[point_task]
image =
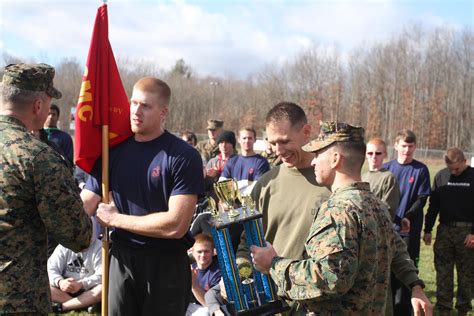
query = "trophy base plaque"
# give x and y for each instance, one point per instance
(252, 292)
(269, 308)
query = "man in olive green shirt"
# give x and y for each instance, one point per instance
(382, 182)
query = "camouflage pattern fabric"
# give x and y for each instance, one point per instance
(273, 159)
(350, 247)
(449, 251)
(214, 124)
(207, 150)
(332, 132)
(32, 77)
(38, 196)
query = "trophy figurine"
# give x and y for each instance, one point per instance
(247, 203)
(227, 191)
(249, 291)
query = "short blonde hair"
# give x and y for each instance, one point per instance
(156, 86)
(203, 238)
(249, 129)
(378, 141)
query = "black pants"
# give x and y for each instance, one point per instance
(148, 282)
(401, 294)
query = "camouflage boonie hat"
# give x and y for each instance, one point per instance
(332, 132)
(214, 124)
(33, 77)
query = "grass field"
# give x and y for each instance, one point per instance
(427, 273)
(426, 265)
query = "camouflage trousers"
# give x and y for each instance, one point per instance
(449, 251)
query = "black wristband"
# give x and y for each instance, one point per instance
(274, 260)
(417, 282)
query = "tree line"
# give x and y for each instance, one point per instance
(420, 78)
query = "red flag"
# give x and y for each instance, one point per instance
(102, 100)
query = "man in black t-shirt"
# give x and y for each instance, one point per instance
(452, 197)
(155, 178)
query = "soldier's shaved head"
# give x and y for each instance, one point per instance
(18, 100)
(354, 154)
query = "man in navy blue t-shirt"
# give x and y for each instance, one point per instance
(414, 180)
(61, 139)
(155, 178)
(205, 273)
(247, 167)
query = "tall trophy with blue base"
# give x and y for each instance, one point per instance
(249, 291)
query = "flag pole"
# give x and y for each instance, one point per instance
(97, 127)
(105, 238)
(105, 198)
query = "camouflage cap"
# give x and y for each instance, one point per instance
(214, 124)
(332, 132)
(33, 77)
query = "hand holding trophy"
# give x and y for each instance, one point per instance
(249, 291)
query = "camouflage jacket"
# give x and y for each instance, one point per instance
(38, 196)
(207, 150)
(349, 250)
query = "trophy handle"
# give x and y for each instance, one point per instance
(220, 196)
(212, 205)
(240, 198)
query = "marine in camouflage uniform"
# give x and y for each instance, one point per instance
(38, 195)
(210, 148)
(351, 242)
(350, 248)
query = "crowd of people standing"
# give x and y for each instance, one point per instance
(339, 241)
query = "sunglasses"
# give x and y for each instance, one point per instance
(377, 153)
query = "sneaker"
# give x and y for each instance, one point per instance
(94, 309)
(57, 308)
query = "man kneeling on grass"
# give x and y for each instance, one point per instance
(75, 278)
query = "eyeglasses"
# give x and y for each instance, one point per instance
(377, 153)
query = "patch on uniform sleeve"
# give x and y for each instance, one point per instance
(324, 239)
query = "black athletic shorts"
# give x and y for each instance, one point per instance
(148, 282)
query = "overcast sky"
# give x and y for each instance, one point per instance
(214, 37)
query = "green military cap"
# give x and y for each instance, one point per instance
(33, 77)
(332, 132)
(214, 124)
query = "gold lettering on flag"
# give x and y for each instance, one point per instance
(85, 96)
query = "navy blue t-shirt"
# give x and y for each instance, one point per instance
(210, 276)
(414, 181)
(63, 140)
(143, 176)
(245, 168)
